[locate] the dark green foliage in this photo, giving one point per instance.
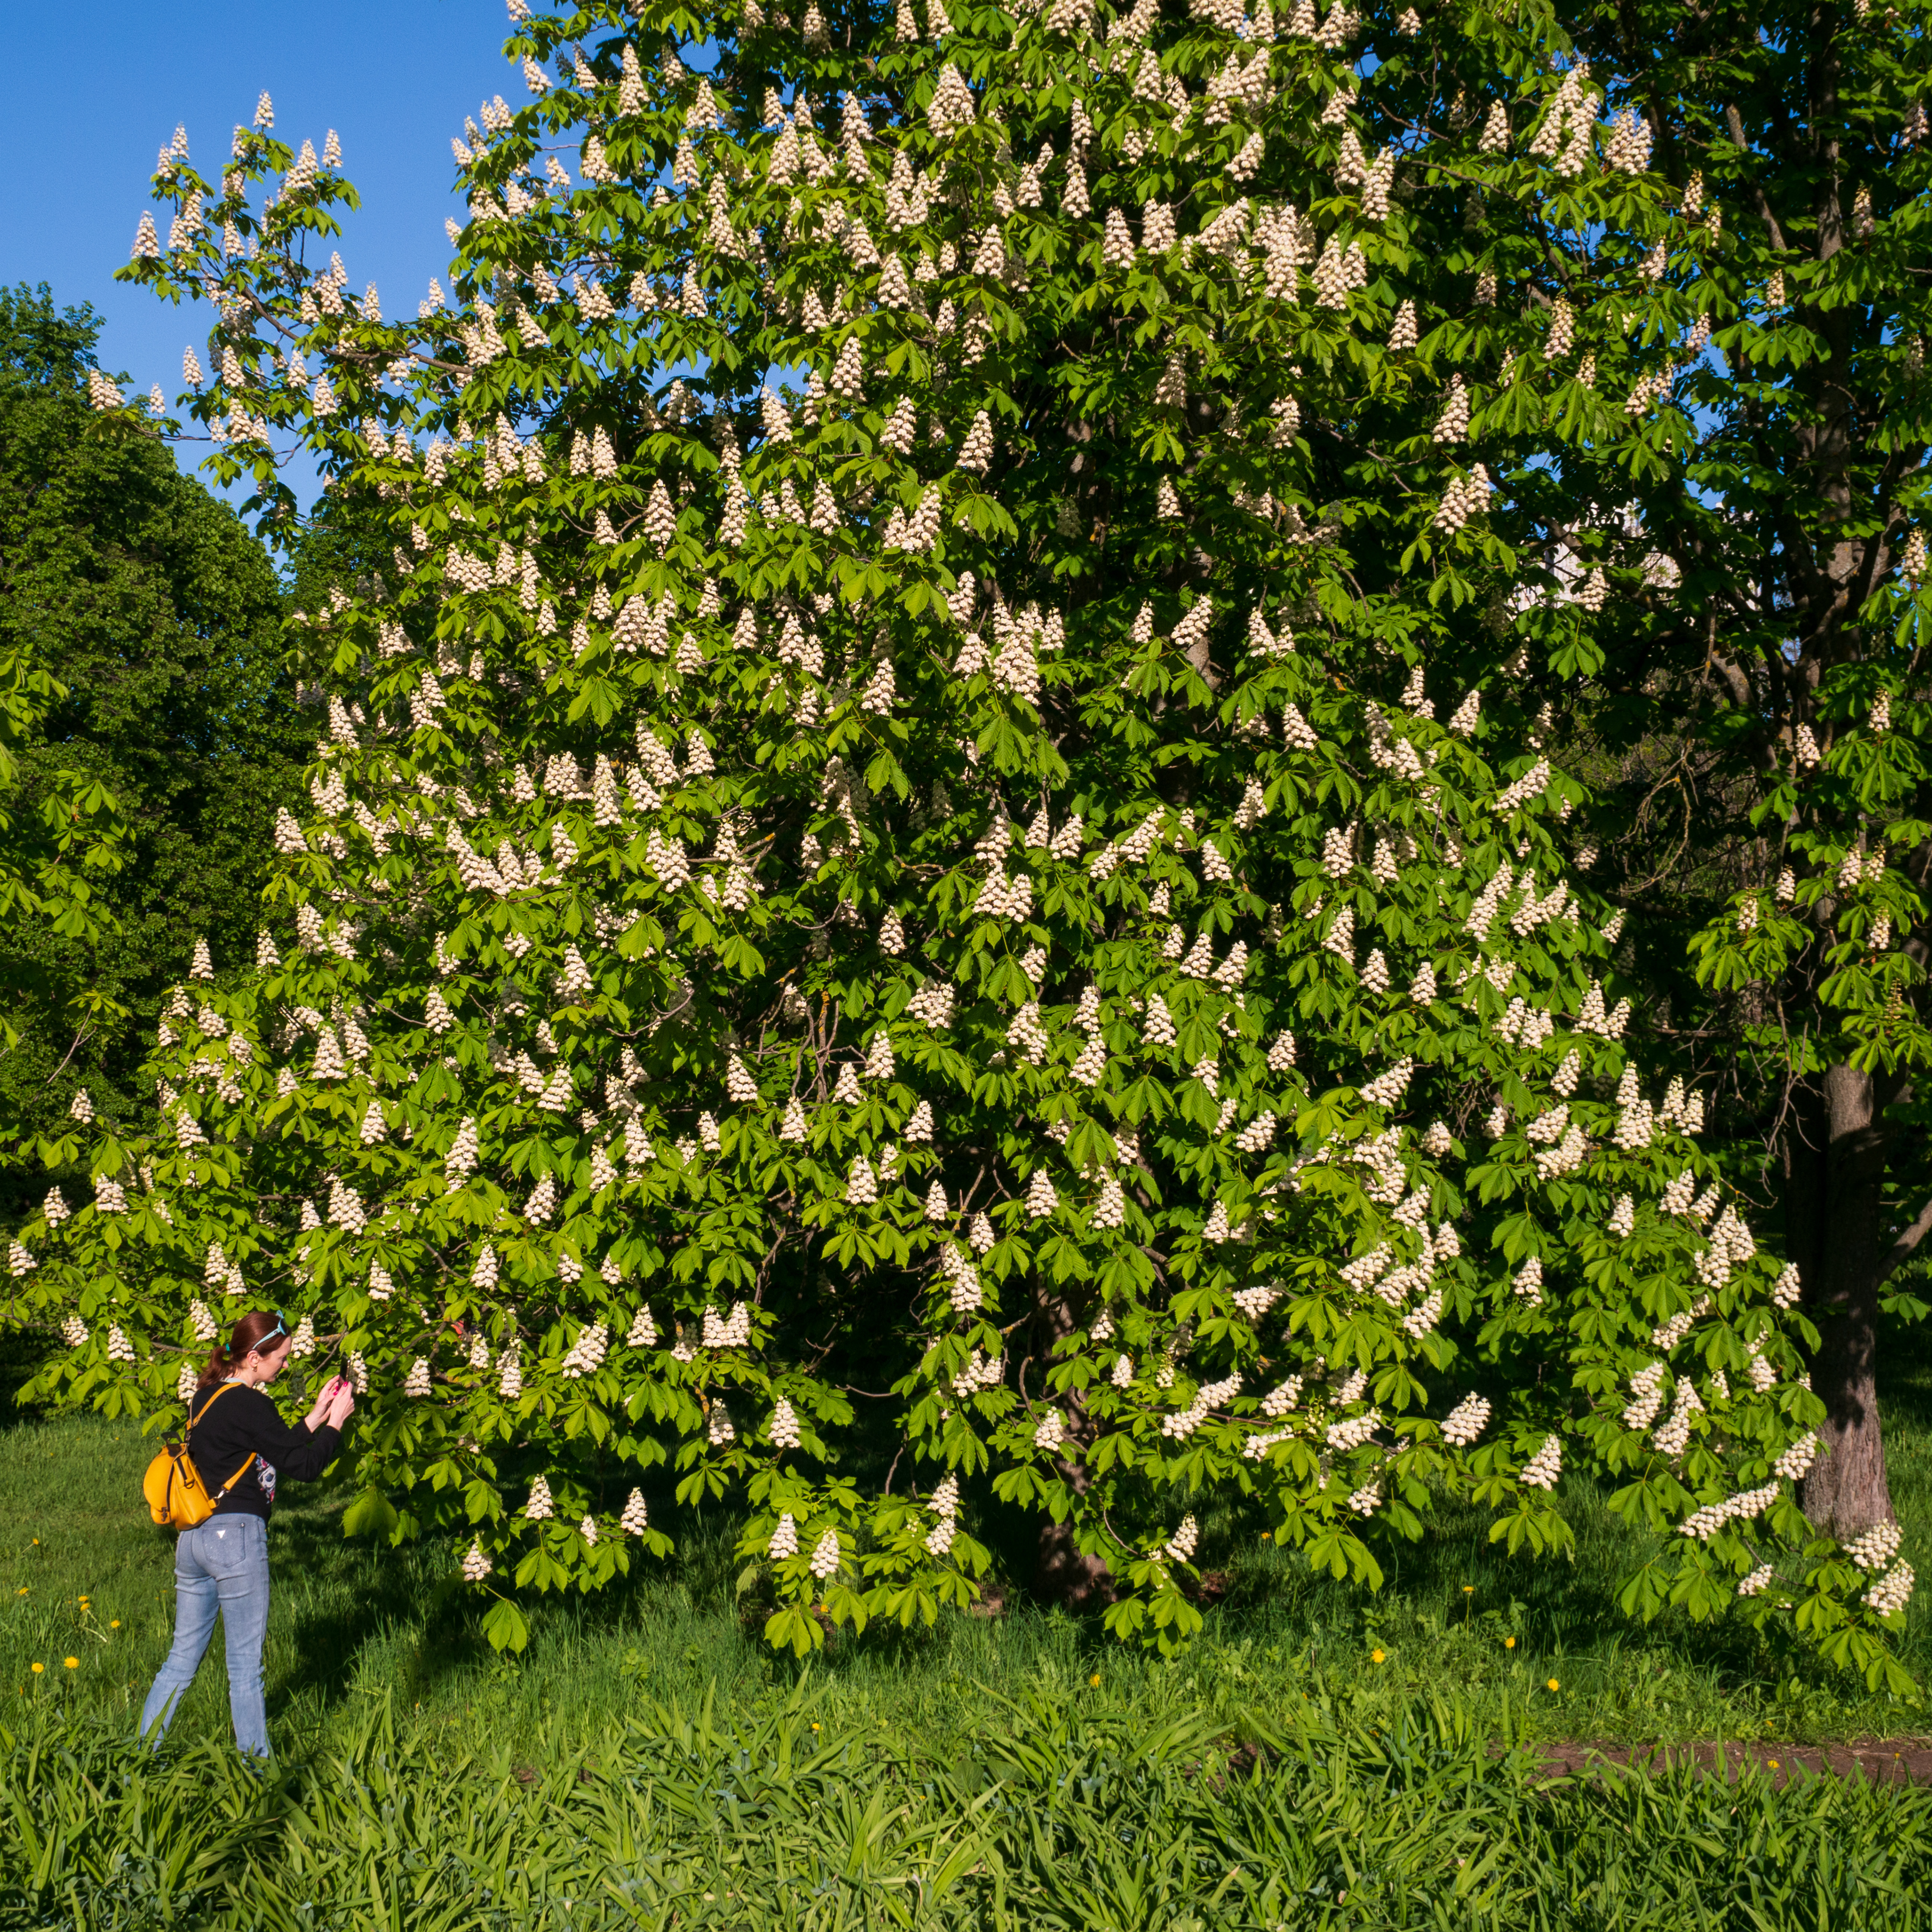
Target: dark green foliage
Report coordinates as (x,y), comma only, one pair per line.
(144,597)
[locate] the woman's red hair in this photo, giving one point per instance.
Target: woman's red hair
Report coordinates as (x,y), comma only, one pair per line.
(229,1355)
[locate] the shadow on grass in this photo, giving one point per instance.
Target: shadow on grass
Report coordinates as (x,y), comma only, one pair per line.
(355,1619)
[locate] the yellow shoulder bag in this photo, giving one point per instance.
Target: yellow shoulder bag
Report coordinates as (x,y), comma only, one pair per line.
(177,1498)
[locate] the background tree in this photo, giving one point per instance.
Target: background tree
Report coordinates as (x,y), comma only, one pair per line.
(153,621)
(1111,994)
(1757,712)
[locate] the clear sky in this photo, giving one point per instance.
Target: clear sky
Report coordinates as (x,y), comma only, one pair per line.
(96,95)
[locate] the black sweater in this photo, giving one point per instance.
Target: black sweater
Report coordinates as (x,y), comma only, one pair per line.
(243,1423)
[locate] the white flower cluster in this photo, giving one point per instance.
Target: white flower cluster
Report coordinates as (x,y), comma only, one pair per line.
(539,1508)
(636,1519)
(1704,1523)
(965,1293)
(1590,1017)
(1674,1438)
(1466,1421)
(1890,1594)
(979,1372)
(1646,1396)
(1542,1470)
(1027,1035)
(1532,784)
(784,1539)
(1874,1548)
(1110,1206)
(731,1332)
(1354,1431)
(1627,150)
(1421,1320)
(1571,114)
(1001,897)
(1387,1088)
(1636,1125)
(476,1565)
(587,1352)
(1566,1157)
(1666,1335)
(825,1555)
(1278,1402)
(1183,1422)
(944,1504)
(1180,1547)
(933,1004)
(1730,1246)
(1257,1298)
(784,1429)
(1466,496)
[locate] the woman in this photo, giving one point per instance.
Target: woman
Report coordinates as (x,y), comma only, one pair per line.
(235,1432)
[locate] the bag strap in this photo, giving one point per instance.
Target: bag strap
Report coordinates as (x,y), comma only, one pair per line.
(221,1391)
(248,1463)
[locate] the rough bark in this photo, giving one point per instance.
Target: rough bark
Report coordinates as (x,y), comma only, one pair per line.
(1834,1166)
(1062,1574)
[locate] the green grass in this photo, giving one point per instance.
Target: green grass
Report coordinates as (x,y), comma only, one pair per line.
(1061,1816)
(647,1749)
(352,1623)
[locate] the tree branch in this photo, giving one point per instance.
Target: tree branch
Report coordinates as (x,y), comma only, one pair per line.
(1901,1250)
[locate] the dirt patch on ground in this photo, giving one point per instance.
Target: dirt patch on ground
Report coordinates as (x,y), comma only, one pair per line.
(1880,1761)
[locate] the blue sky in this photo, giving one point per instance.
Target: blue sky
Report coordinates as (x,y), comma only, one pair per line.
(96,94)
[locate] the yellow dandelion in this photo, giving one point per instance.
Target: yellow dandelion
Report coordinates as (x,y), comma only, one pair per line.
(1468,1589)
(115,1624)
(1554,1685)
(1509,1643)
(1094,1681)
(38,1668)
(1378,1657)
(72,1663)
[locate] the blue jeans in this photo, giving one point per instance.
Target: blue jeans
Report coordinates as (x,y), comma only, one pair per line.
(222,1565)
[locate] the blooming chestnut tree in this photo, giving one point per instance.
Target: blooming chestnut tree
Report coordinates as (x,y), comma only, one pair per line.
(937,804)
(1765,697)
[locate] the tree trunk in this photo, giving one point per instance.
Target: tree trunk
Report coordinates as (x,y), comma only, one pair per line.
(1061,1574)
(1834,1172)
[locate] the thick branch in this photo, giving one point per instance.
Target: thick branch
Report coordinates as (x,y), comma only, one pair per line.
(1901,1250)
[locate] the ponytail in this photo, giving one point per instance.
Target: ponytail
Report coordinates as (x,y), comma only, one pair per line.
(248,1336)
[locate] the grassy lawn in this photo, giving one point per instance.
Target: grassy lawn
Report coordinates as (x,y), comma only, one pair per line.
(85,1576)
(1323,1756)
